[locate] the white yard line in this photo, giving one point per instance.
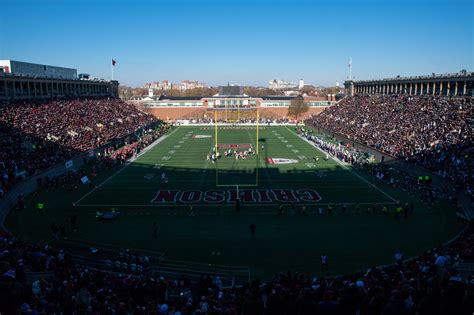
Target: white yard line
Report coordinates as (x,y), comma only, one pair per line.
(127,164)
(344,165)
(256,204)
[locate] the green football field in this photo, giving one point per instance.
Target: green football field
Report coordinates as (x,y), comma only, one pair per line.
(285,172)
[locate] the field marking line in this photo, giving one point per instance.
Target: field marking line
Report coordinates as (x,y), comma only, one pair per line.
(345,166)
(151,146)
(255,204)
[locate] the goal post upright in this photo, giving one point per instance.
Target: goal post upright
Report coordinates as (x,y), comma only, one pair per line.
(215,143)
(257,150)
(215,130)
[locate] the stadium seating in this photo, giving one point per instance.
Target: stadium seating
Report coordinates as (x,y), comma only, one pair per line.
(431,131)
(35,135)
(429,284)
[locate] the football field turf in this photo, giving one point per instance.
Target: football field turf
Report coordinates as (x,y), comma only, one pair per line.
(285,172)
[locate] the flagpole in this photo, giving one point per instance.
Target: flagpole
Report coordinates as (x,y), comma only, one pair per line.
(350,69)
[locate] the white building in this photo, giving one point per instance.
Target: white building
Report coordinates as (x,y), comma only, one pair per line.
(278,84)
(167,85)
(301,84)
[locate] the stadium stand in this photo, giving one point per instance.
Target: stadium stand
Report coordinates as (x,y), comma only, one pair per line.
(41,279)
(35,135)
(432,131)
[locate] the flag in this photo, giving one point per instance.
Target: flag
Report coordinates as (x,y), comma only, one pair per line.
(113,62)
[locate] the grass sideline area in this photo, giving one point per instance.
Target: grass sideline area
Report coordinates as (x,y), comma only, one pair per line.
(285,172)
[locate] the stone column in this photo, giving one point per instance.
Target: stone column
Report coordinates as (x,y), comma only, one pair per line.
(440,88)
(434,88)
(22,92)
(14,90)
(448,88)
(6,88)
(456,88)
(465,88)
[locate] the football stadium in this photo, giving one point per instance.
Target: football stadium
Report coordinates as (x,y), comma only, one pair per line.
(355,202)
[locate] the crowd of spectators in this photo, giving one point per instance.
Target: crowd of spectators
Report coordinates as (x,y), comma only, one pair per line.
(35,135)
(432,131)
(110,158)
(430,284)
(381,172)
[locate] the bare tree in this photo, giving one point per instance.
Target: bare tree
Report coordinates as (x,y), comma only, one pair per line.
(297,107)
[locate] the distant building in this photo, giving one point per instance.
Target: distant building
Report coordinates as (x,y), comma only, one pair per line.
(231,90)
(301,84)
(230,103)
(277,84)
(167,85)
(24,80)
(27,69)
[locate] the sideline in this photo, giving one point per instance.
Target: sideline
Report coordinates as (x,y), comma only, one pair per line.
(127,163)
(345,166)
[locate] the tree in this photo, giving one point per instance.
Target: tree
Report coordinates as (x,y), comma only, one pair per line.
(297,107)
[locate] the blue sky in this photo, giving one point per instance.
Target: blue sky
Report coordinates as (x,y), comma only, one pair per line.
(241,42)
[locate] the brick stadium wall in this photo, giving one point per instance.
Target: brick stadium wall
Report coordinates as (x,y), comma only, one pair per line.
(276,112)
(189,113)
(176,113)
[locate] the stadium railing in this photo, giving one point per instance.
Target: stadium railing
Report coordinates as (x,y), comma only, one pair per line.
(127,260)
